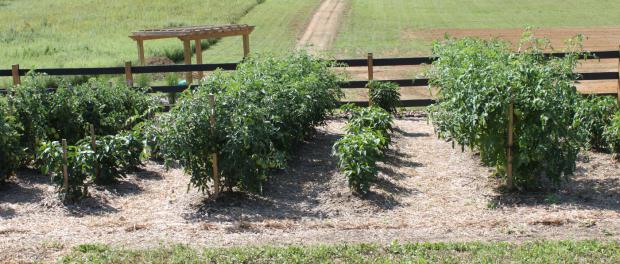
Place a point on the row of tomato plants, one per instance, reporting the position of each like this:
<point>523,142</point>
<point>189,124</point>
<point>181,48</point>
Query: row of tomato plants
<point>480,79</point>
<point>34,120</point>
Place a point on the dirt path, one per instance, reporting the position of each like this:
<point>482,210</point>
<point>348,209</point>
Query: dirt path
<point>427,191</point>
<point>323,27</point>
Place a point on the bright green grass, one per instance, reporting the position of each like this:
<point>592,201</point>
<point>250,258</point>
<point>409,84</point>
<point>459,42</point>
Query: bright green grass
<point>68,33</point>
<point>471,252</point>
<point>382,26</point>
<point>278,24</point>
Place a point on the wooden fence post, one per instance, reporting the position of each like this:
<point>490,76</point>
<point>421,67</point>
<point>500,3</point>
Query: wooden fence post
<point>15,73</point>
<point>216,175</point>
<point>371,71</point>
<point>128,74</point>
<point>93,144</point>
<point>65,170</point>
<point>510,180</point>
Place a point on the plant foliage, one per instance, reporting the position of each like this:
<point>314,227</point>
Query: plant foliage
<point>79,166</point>
<point>385,95</point>
<point>595,114</point>
<point>612,134</point>
<point>10,150</point>
<point>357,155</point>
<point>262,111</point>
<point>479,79</point>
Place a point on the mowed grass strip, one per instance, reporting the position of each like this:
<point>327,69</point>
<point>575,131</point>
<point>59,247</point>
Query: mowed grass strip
<point>278,25</point>
<point>470,252</point>
<point>70,33</point>
<point>385,27</point>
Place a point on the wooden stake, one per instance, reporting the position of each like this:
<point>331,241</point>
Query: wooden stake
<point>216,175</point>
<point>128,74</point>
<point>65,170</point>
<point>370,76</point>
<point>141,52</point>
<point>15,73</point>
<point>510,180</point>
<point>618,91</point>
<point>199,56</point>
<point>187,54</point>
<point>93,144</point>
<point>246,45</point>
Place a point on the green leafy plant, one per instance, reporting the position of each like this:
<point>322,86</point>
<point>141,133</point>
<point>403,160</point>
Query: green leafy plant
<point>479,79</point>
<point>10,150</point>
<point>385,95</point>
<point>612,135</point>
<point>357,155</point>
<point>594,114</point>
<point>373,118</point>
<point>80,162</point>
<point>115,155</point>
<point>262,111</point>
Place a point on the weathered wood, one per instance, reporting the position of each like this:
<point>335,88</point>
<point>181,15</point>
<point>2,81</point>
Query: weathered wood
<point>371,74</point>
<point>141,52</point>
<point>128,74</point>
<point>198,44</point>
<point>187,55</point>
<point>509,176</point>
<point>618,90</point>
<point>246,45</point>
<point>15,73</point>
<point>214,158</point>
<point>65,170</point>
<point>93,145</point>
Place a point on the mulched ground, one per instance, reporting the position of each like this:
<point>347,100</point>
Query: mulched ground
<point>427,191</point>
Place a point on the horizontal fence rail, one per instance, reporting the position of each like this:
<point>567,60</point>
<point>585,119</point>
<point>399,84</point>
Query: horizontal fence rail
<point>353,84</point>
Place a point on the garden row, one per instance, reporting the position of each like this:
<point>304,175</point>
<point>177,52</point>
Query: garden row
<point>520,111</point>
<point>229,133</point>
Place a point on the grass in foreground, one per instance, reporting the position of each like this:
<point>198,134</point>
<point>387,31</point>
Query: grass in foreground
<point>471,252</point>
<point>387,27</point>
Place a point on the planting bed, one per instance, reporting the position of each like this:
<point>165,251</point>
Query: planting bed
<point>427,191</point>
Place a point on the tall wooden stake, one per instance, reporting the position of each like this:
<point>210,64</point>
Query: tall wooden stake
<point>15,73</point>
<point>65,170</point>
<point>216,174</point>
<point>128,74</point>
<point>370,75</point>
<point>510,180</point>
<point>93,144</point>
<point>199,56</point>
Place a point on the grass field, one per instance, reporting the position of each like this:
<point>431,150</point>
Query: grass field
<point>471,252</point>
<point>388,28</point>
<point>68,33</point>
<point>278,24</point>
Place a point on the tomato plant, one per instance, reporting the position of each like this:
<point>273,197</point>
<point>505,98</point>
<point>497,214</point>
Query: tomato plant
<point>79,166</point>
<point>10,150</point>
<point>385,95</point>
<point>115,155</point>
<point>480,78</point>
<point>612,134</point>
<point>262,111</point>
<point>373,118</point>
<point>594,114</point>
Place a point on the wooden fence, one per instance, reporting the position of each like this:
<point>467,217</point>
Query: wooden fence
<point>369,62</point>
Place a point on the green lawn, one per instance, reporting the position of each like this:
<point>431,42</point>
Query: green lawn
<point>278,24</point>
<point>69,33</point>
<point>471,252</point>
<point>382,26</point>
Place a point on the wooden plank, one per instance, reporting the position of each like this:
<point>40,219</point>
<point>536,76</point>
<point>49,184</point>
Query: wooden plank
<point>187,55</point>
<point>140,43</point>
<point>128,74</point>
<point>214,158</point>
<point>15,74</point>
<point>246,45</point>
<point>65,170</point>
<point>198,44</point>
<point>509,176</point>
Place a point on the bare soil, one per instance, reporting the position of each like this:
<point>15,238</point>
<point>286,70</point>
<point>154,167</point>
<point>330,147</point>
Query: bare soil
<point>323,27</point>
<point>427,191</point>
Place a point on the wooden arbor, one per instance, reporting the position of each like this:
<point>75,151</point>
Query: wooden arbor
<point>195,33</point>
